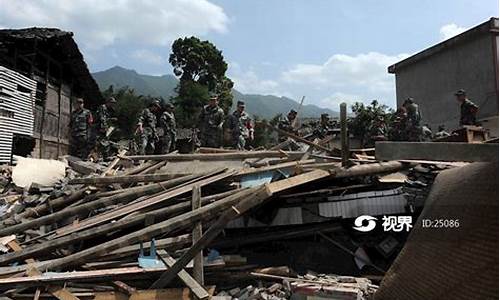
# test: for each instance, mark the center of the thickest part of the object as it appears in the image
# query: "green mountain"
(264, 106)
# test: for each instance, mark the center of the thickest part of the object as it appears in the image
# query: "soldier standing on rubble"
(146, 128)
(169, 127)
(80, 124)
(103, 117)
(324, 127)
(287, 123)
(468, 109)
(397, 130)
(413, 128)
(210, 124)
(241, 126)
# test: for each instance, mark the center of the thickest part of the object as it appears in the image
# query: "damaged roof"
(59, 46)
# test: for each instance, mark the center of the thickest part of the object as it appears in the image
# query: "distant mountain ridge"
(264, 106)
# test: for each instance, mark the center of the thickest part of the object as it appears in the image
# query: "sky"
(329, 51)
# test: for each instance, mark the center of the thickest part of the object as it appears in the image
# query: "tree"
(364, 117)
(127, 108)
(201, 70)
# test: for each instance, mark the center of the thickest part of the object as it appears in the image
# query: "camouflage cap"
(293, 111)
(111, 100)
(240, 103)
(213, 96)
(325, 115)
(169, 105)
(460, 92)
(155, 103)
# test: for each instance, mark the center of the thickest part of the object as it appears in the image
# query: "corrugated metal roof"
(373, 203)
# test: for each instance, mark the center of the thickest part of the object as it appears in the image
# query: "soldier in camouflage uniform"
(287, 124)
(241, 126)
(324, 127)
(169, 127)
(397, 130)
(80, 124)
(378, 130)
(103, 118)
(210, 124)
(468, 109)
(413, 127)
(442, 133)
(146, 128)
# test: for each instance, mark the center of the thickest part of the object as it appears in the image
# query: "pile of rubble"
(83, 229)
(300, 287)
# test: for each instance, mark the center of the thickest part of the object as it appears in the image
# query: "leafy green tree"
(201, 70)
(127, 108)
(364, 118)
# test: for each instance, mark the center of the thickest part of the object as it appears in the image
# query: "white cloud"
(450, 30)
(333, 101)
(97, 24)
(148, 57)
(363, 76)
(247, 82)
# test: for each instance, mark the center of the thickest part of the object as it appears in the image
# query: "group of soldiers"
(88, 132)
(156, 128)
(406, 124)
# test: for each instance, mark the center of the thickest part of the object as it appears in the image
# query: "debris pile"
(150, 224)
(318, 285)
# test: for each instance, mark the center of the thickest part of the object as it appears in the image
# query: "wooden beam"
(344, 135)
(436, 151)
(370, 169)
(140, 205)
(215, 156)
(197, 233)
(235, 211)
(194, 285)
(301, 139)
(230, 214)
(89, 206)
(145, 234)
(122, 179)
(169, 211)
(113, 164)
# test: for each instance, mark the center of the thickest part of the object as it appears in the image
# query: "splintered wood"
(141, 231)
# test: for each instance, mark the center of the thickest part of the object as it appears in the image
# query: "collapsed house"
(42, 72)
(226, 224)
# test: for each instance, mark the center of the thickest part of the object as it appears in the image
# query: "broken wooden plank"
(168, 211)
(235, 211)
(113, 164)
(370, 169)
(286, 165)
(216, 156)
(194, 285)
(147, 233)
(122, 179)
(89, 206)
(302, 140)
(436, 151)
(148, 202)
(197, 233)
